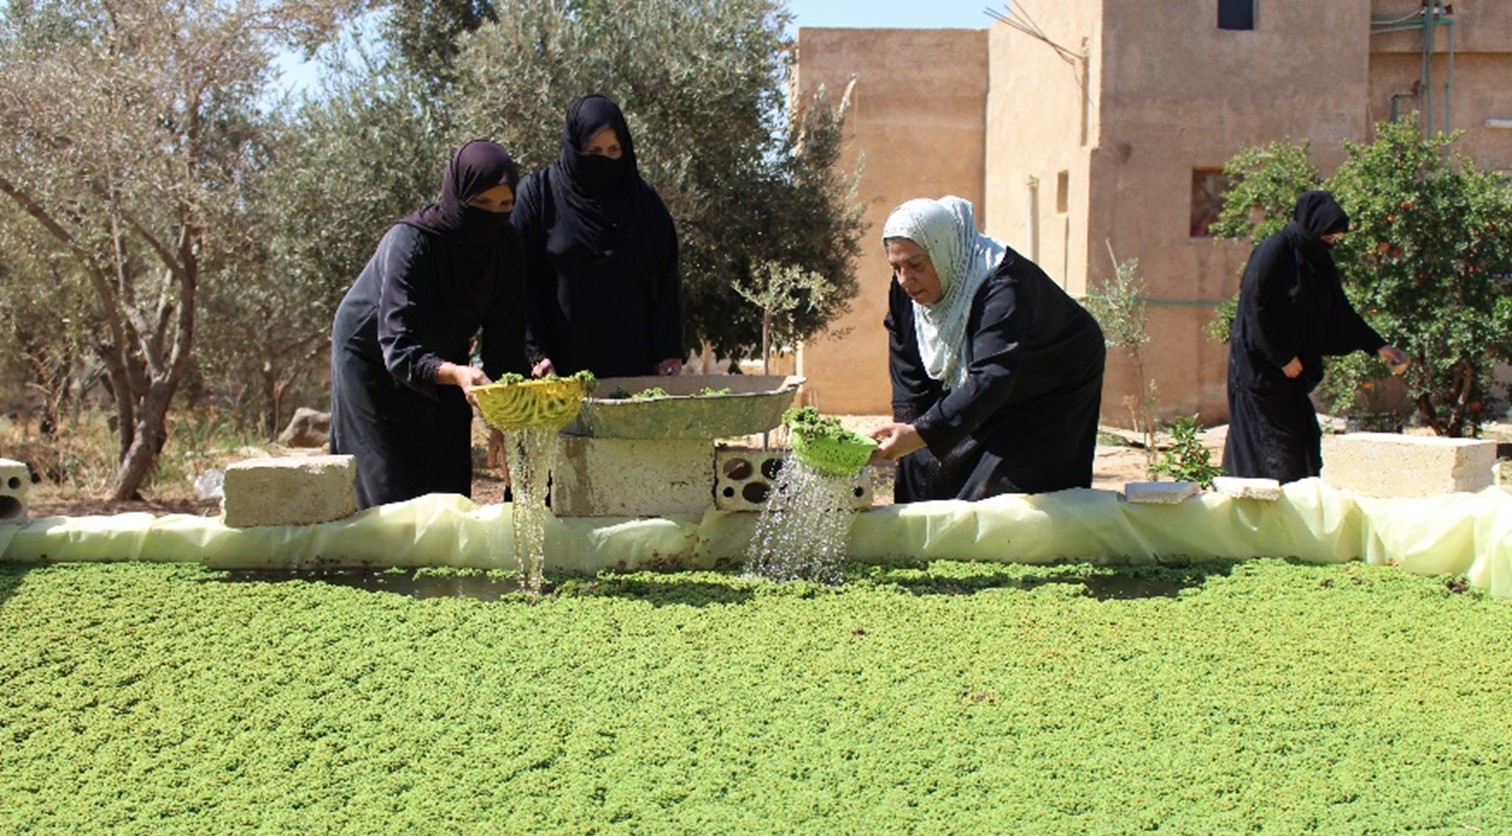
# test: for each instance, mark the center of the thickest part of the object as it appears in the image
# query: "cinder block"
(1160, 493)
(1386, 464)
(744, 480)
(1240, 488)
(298, 490)
(631, 477)
(15, 481)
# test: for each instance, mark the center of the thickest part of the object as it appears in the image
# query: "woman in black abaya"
(601, 254)
(1292, 311)
(996, 372)
(400, 359)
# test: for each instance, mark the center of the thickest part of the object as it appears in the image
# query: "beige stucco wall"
(920, 134)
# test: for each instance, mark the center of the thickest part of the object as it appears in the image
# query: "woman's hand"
(669, 366)
(898, 440)
(1396, 359)
(1293, 368)
(451, 374)
(542, 368)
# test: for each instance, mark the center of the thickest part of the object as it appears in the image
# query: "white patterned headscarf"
(962, 257)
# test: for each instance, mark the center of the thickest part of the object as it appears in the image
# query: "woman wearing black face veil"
(400, 344)
(1292, 311)
(601, 255)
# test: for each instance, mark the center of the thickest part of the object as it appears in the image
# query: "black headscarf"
(596, 197)
(474, 168)
(1317, 214)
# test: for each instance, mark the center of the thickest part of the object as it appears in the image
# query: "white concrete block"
(744, 479)
(299, 490)
(631, 477)
(1386, 464)
(1241, 488)
(15, 481)
(1160, 493)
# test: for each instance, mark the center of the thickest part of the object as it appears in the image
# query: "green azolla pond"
(949, 697)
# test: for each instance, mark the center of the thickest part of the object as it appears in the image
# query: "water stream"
(532, 454)
(802, 529)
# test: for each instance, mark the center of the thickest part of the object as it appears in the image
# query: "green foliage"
(1118, 305)
(1426, 259)
(703, 86)
(1186, 460)
(940, 697)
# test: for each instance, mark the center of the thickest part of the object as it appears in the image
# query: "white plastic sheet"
(1469, 534)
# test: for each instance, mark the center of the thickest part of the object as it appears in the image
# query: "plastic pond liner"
(1459, 534)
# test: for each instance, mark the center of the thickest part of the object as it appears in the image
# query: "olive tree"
(128, 127)
(703, 84)
(1426, 261)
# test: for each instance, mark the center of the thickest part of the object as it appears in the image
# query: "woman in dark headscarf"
(996, 372)
(601, 254)
(400, 360)
(1292, 311)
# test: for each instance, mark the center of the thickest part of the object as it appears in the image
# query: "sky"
(860, 14)
(894, 14)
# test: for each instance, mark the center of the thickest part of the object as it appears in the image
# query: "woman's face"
(914, 271)
(499, 199)
(605, 143)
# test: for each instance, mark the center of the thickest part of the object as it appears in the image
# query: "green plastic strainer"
(844, 456)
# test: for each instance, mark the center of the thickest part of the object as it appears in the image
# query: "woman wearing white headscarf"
(996, 372)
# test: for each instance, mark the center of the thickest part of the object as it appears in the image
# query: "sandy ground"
(1115, 466)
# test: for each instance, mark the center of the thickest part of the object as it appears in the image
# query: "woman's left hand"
(898, 440)
(670, 366)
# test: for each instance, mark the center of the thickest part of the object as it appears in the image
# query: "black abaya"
(1025, 421)
(1291, 305)
(601, 253)
(437, 277)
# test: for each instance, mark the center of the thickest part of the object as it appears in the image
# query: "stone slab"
(1391, 465)
(1160, 493)
(744, 478)
(631, 477)
(301, 490)
(1242, 488)
(15, 482)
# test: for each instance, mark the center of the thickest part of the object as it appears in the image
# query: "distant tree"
(129, 126)
(703, 84)
(1426, 260)
(425, 34)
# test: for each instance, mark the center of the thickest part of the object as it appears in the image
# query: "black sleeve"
(1261, 302)
(529, 219)
(504, 325)
(1347, 331)
(405, 297)
(1001, 319)
(913, 391)
(667, 298)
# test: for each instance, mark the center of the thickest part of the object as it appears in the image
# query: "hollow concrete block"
(15, 481)
(631, 477)
(298, 490)
(1160, 493)
(744, 479)
(1386, 464)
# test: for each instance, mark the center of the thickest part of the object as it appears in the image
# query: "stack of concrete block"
(15, 481)
(1390, 465)
(299, 490)
(1160, 493)
(631, 477)
(744, 479)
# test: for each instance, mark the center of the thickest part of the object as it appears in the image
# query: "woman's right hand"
(452, 374)
(1293, 368)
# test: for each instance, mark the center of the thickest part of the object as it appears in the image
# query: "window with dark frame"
(1208, 188)
(1236, 14)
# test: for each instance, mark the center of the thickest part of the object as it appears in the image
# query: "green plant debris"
(585, 377)
(709, 391)
(941, 697)
(808, 421)
(649, 393)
